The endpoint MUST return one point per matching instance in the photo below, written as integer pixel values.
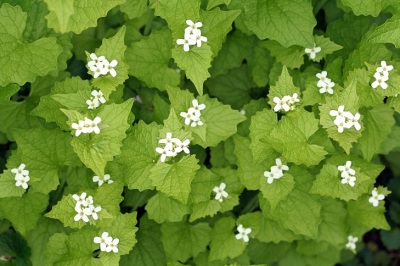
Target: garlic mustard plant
(376, 197)
(351, 244)
(107, 243)
(243, 233)
(192, 36)
(173, 146)
(312, 52)
(100, 66)
(193, 114)
(276, 171)
(85, 208)
(220, 192)
(106, 179)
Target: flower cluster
(84, 208)
(172, 147)
(107, 243)
(376, 197)
(382, 75)
(102, 180)
(324, 83)
(192, 36)
(220, 192)
(243, 233)
(286, 103)
(347, 174)
(193, 114)
(95, 101)
(87, 126)
(21, 176)
(312, 52)
(351, 244)
(276, 171)
(345, 119)
(101, 66)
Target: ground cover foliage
(199, 132)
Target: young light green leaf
(75, 15)
(263, 18)
(387, 32)
(149, 58)
(182, 241)
(161, 208)
(283, 87)
(96, 150)
(138, 155)
(327, 47)
(203, 209)
(366, 7)
(291, 57)
(113, 49)
(291, 138)
(174, 179)
(8, 187)
(213, 3)
(22, 61)
(24, 212)
(223, 242)
(134, 8)
(378, 124)
(278, 190)
(333, 226)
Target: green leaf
(223, 242)
(378, 125)
(149, 58)
(327, 47)
(278, 20)
(213, 3)
(291, 57)
(291, 138)
(386, 32)
(8, 91)
(49, 108)
(349, 99)
(262, 124)
(391, 238)
(333, 226)
(195, 63)
(363, 216)
(138, 155)
(203, 184)
(216, 25)
(134, 8)
(95, 150)
(24, 212)
(300, 213)
(203, 209)
(8, 187)
(149, 250)
(56, 248)
(366, 7)
(75, 15)
(182, 241)
(45, 152)
(13, 248)
(113, 49)
(284, 86)
(22, 61)
(174, 179)
(278, 190)
(260, 63)
(161, 208)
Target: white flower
(220, 192)
(98, 95)
(196, 123)
(92, 125)
(323, 79)
(198, 38)
(92, 104)
(189, 116)
(327, 88)
(183, 146)
(384, 68)
(110, 67)
(243, 233)
(95, 59)
(113, 246)
(80, 200)
(164, 153)
(339, 111)
(380, 81)
(312, 51)
(92, 211)
(79, 127)
(281, 103)
(351, 244)
(106, 179)
(186, 43)
(376, 197)
(353, 119)
(169, 141)
(99, 69)
(197, 107)
(279, 167)
(272, 175)
(349, 180)
(346, 169)
(293, 99)
(81, 216)
(193, 28)
(22, 181)
(20, 171)
(341, 123)
(104, 240)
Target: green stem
(149, 24)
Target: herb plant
(194, 132)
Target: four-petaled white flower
(192, 36)
(220, 192)
(193, 114)
(105, 180)
(169, 141)
(20, 171)
(323, 78)
(281, 103)
(95, 100)
(79, 127)
(87, 126)
(272, 175)
(376, 197)
(183, 146)
(327, 87)
(384, 69)
(164, 153)
(22, 181)
(345, 119)
(104, 241)
(85, 208)
(380, 81)
(276, 171)
(312, 52)
(100, 66)
(107, 243)
(172, 147)
(346, 169)
(351, 180)
(351, 244)
(243, 233)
